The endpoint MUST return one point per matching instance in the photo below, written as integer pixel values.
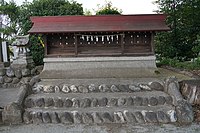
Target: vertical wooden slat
(45, 44)
(122, 43)
(152, 42)
(76, 45)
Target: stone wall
(11, 78)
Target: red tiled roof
(60, 24)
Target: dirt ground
(112, 128)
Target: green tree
(18, 18)
(10, 12)
(183, 17)
(107, 8)
(44, 8)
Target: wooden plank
(122, 43)
(76, 45)
(152, 42)
(45, 45)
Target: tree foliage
(183, 17)
(19, 18)
(47, 8)
(107, 8)
(9, 11)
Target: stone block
(26, 72)
(97, 118)
(29, 103)
(162, 117)
(145, 87)
(93, 88)
(121, 101)
(46, 117)
(129, 101)
(94, 102)
(77, 117)
(68, 103)
(134, 88)
(84, 103)
(102, 101)
(118, 117)
(114, 88)
(73, 89)
(129, 117)
(58, 102)
(40, 102)
(27, 117)
(66, 118)
(123, 88)
(156, 86)
(104, 88)
(65, 89)
(139, 117)
(184, 112)
(145, 101)
(37, 117)
(190, 90)
(153, 101)
(112, 102)
(18, 73)
(49, 102)
(15, 81)
(137, 101)
(7, 79)
(10, 72)
(161, 100)
(87, 118)
(54, 117)
(12, 114)
(76, 103)
(151, 117)
(107, 117)
(49, 89)
(2, 71)
(83, 89)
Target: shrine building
(105, 46)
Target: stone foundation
(99, 67)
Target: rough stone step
(81, 100)
(161, 114)
(96, 88)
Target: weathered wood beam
(152, 42)
(76, 45)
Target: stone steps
(109, 99)
(134, 115)
(96, 102)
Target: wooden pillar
(152, 42)
(122, 43)
(76, 45)
(45, 44)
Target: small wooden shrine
(110, 35)
(127, 42)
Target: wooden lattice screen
(99, 43)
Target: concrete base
(99, 67)
(23, 61)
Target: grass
(188, 65)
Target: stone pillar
(2, 69)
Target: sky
(127, 6)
